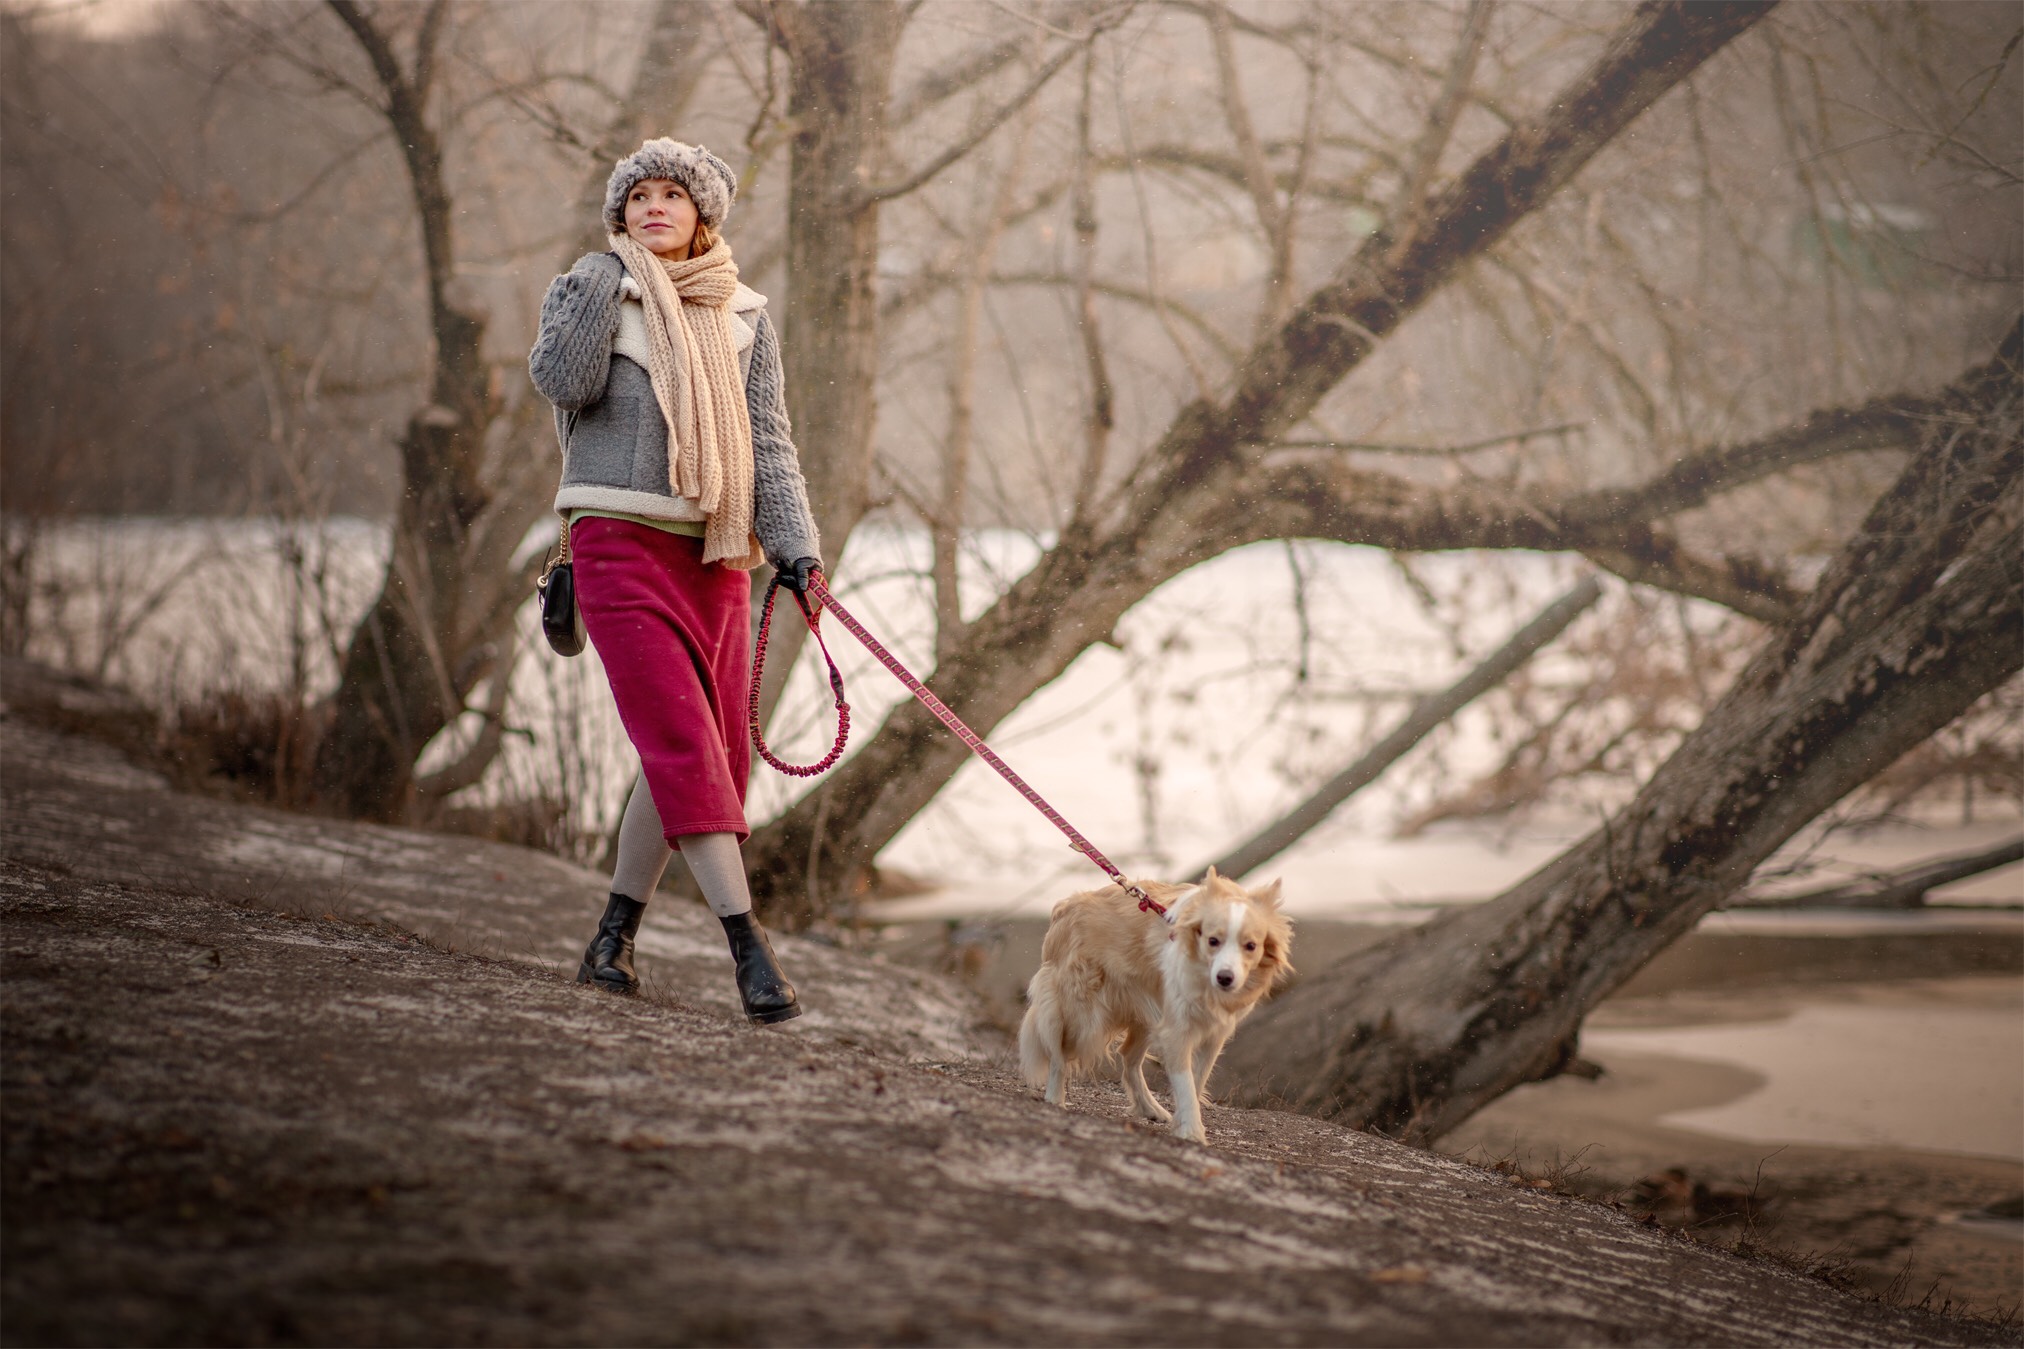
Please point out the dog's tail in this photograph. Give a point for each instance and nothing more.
(1040, 1029)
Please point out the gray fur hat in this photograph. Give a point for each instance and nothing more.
(708, 180)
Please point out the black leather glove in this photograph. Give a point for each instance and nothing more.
(795, 577)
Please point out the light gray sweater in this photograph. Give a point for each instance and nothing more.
(615, 441)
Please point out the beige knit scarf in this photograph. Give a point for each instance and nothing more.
(693, 363)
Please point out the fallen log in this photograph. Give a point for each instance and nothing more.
(1902, 889)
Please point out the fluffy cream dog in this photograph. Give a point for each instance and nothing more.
(1176, 988)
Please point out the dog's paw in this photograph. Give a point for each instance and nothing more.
(1191, 1133)
(1153, 1111)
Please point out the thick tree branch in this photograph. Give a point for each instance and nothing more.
(1893, 422)
(1316, 494)
(471, 765)
(377, 49)
(765, 14)
(1339, 325)
(456, 332)
(425, 47)
(1750, 587)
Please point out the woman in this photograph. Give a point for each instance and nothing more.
(679, 475)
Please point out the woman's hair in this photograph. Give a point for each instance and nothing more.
(703, 241)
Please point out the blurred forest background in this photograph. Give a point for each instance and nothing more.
(1131, 285)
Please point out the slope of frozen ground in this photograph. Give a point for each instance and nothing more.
(231, 1118)
(75, 805)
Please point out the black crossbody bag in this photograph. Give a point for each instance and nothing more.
(561, 620)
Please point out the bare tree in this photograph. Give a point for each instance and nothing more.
(471, 466)
(841, 110)
(413, 658)
(1174, 508)
(1920, 615)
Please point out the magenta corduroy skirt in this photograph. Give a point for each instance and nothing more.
(675, 637)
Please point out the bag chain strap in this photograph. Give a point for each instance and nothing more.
(561, 558)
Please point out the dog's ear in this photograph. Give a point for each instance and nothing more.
(1183, 898)
(1278, 954)
(1268, 894)
(1276, 958)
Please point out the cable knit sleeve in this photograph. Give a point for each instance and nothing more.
(780, 514)
(579, 318)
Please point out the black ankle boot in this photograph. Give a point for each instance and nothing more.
(607, 961)
(767, 995)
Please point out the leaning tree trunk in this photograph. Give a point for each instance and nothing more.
(1207, 488)
(1920, 615)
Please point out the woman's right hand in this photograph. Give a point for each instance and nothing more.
(795, 576)
(600, 269)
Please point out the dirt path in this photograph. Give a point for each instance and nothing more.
(228, 1119)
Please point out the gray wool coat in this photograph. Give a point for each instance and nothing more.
(615, 441)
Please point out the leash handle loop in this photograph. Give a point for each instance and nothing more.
(810, 615)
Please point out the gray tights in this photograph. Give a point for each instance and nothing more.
(643, 855)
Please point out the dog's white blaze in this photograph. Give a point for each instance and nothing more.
(1231, 957)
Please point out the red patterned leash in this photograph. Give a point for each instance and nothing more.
(825, 600)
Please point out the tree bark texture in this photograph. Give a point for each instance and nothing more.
(840, 69)
(1213, 483)
(1921, 614)
(840, 59)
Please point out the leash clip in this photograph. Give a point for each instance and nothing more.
(1147, 904)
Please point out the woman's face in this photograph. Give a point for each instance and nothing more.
(659, 215)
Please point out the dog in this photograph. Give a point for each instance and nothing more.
(1177, 987)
